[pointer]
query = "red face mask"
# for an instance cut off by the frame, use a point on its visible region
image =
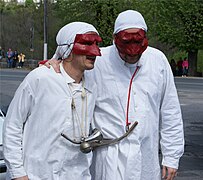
(131, 43)
(86, 44)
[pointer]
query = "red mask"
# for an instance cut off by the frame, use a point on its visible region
(131, 43)
(86, 44)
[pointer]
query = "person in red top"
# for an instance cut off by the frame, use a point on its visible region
(185, 66)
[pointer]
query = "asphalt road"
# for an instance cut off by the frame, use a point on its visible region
(10, 79)
(190, 91)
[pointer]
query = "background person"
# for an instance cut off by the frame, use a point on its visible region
(15, 58)
(141, 88)
(9, 56)
(180, 67)
(173, 67)
(32, 145)
(185, 66)
(21, 60)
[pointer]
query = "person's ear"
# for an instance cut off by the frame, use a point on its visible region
(69, 58)
(113, 37)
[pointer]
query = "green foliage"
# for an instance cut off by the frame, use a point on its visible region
(2, 5)
(106, 12)
(100, 13)
(29, 3)
(74, 10)
(16, 21)
(178, 23)
(179, 54)
(175, 26)
(200, 61)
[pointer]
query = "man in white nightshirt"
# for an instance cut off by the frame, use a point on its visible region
(135, 83)
(32, 143)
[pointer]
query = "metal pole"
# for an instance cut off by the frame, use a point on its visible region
(32, 41)
(45, 29)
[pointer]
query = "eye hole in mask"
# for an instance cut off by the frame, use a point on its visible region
(87, 39)
(126, 37)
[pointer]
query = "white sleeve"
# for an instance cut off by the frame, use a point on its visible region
(172, 136)
(17, 114)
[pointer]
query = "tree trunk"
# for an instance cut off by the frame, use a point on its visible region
(2, 44)
(192, 59)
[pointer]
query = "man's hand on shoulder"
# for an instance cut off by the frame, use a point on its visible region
(168, 173)
(52, 62)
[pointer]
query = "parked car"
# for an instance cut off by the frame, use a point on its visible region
(2, 163)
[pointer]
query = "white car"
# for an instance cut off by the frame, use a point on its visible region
(2, 164)
(2, 117)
